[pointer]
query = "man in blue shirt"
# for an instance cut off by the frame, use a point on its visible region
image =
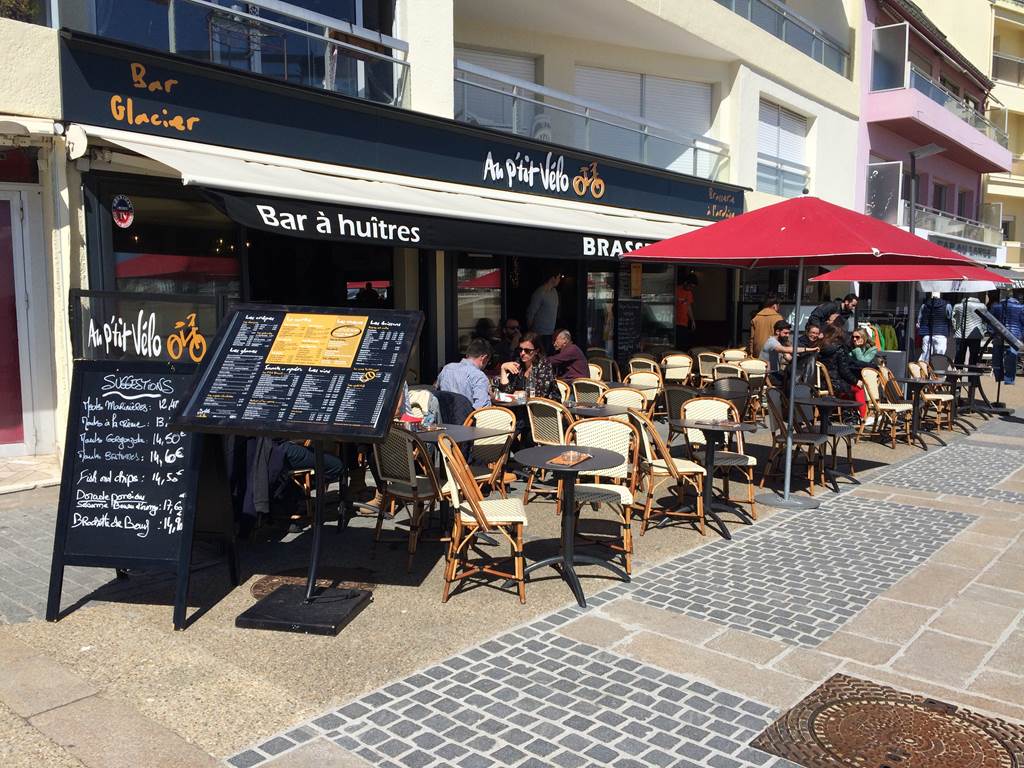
(1009, 312)
(467, 376)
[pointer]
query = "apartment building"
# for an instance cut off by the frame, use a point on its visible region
(160, 160)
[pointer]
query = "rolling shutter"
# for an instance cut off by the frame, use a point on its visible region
(619, 91)
(682, 106)
(485, 107)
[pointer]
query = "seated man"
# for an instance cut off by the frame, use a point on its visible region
(810, 336)
(467, 377)
(569, 362)
(776, 350)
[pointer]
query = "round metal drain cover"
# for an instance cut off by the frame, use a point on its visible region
(342, 578)
(857, 723)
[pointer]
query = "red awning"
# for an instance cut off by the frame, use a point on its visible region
(170, 265)
(375, 284)
(803, 228)
(490, 279)
(909, 273)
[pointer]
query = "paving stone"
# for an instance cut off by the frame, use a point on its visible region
(848, 646)
(806, 664)
(744, 645)
(1004, 575)
(941, 658)
(320, 753)
(31, 684)
(889, 621)
(1009, 657)
(975, 619)
(594, 630)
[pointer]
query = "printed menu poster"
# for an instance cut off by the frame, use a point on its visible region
(303, 372)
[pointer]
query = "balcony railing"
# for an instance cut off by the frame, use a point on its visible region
(269, 37)
(793, 30)
(781, 177)
(944, 223)
(1007, 68)
(488, 98)
(920, 81)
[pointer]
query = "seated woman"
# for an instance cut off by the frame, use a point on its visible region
(834, 354)
(532, 373)
(863, 352)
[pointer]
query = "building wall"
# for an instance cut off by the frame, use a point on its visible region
(427, 26)
(28, 60)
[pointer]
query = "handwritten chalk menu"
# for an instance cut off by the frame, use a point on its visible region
(303, 371)
(128, 485)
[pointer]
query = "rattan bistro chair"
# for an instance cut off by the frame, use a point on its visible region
(587, 391)
(564, 390)
(811, 445)
(678, 368)
(706, 362)
(757, 374)
(596, 371)
(548, 422)
(615, 486)
(409, 481)
(658, 465)
(473, 515)
(626, 397)
(642, 362)
(733, 355)
(937, 400)
(892, 416)
(733, 457)
(836, 431)
(675, 396)
(609, 368)
(490, 454)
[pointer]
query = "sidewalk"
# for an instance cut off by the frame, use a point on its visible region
(914, 579)
(23, 473)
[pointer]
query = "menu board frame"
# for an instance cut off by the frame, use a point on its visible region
(186, 418)
(181, 559)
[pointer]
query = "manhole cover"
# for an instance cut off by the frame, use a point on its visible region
(342, 578)
(857, 723)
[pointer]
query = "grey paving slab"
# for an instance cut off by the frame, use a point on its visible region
(801, 579)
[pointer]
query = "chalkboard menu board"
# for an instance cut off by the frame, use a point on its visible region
(128, 486)
(628, 325)
(303, 371)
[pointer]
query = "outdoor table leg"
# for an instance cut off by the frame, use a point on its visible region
(710, 505)
(567, 558)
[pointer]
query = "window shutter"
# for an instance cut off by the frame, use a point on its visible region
(680, 106)
(768, 129)
(512, 65)
(792, 135)
(619, 91)
(485, 107)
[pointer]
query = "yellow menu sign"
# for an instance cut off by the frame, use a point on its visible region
(324, 340)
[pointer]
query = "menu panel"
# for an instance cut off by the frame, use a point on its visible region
(303, 371)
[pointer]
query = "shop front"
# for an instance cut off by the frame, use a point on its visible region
(209, 183)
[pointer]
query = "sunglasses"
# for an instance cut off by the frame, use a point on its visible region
(527, 349)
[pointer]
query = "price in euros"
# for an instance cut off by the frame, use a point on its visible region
(161, 478)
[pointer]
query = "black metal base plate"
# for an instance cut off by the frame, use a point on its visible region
(286, 610)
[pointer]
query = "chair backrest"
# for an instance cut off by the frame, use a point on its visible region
(915, 370)
(625, 396)
(728, 371)
(596, 371)
(586, 391)
(733, 355)
(706, 362)
(872, 385)
(548, 420)
(652, 447)
(609, 368)
(940, 363)
(564, 390)
(777, 412)
(890, 387)
(824, 379)
(756, 370)
(401, 460)
(678, 367)
(645, 363)
(612, 435)
(804, 414)
(489, 449)
(461, 485)
(675, 396)
(649, 380)
(419, 401)
(596, 351)
(709, 409)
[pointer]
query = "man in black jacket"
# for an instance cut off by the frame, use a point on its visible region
(844, 309)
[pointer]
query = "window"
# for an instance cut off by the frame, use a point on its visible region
(1009, 228)
(781, 135)
(940, 197)
(478, 284)
(949, 85)
(921, 61)
(963, 204)
(679, 105)
(485, 101)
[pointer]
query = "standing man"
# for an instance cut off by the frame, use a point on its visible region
(467, 376)
(568, 361)
(763, 323)
(542, 313)
(821, 313)
(968, 329)
(686, 323)
(1009, 312)
(934, 322)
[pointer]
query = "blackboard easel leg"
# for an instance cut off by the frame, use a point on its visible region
(318, 518)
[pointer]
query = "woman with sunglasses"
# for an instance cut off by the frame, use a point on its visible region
(530, 372)
(862, 351)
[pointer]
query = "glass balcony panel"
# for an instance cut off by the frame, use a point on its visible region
(766, 17)
(1008, 68)
(778, 179)
(945, 223)
(800, 38)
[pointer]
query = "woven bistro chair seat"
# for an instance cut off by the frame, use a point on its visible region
(896, 407)
(603, 493)
(733, 459)
(497, 511)
(681, 465)
(941, 397)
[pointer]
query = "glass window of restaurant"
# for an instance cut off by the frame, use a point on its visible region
(658, 292)
(479, 297)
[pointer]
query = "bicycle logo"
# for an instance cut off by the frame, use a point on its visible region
(193, 340)
(588, 179)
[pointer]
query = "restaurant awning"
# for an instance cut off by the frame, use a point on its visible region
(251, 175)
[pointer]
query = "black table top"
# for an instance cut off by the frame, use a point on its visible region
(913, 380)
(596, 411)
(828, 402)
(540, 457)
(959, 374)
(459, 433)
(710, 426)
(619, 384)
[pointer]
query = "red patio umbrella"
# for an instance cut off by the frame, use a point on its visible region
(909, 273)
(799, 231)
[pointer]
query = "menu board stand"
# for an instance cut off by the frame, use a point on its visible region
(326, 374)
(132, 487)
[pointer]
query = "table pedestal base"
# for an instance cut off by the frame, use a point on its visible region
(286, 610)
(776, 500)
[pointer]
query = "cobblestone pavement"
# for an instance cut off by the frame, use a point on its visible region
(965, 468)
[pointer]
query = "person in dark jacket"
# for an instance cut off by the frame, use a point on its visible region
(834, 354)
(934, 323)
(1009, 312)
(821, 314)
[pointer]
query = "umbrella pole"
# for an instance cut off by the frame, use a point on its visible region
(793, 365)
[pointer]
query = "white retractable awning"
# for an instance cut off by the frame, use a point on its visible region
(236, 170)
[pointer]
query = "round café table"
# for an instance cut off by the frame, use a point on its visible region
(916, 386)
(714, 432)
(539, 457)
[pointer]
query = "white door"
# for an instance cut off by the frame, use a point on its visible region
(23, 396)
